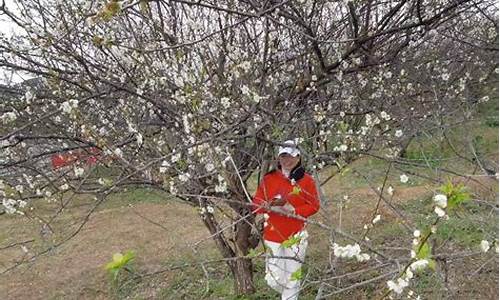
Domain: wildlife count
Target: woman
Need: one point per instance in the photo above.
(286, 196)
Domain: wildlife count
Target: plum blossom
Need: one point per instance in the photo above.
(184, 177)
(390, 190)
(350, 251)
(68, 106)
(485, 245)
(164, 166)
(385, 116)
(245, 90)
(209, 167)
(403, 178)
(9, 205)
(441, 200)
(222, 186)
(225, 102)
(78, 171)
(397, 286)
(118, 152)
(175, 158)
(8, 117)
(419, 264)
(439, 211)
(376, 219)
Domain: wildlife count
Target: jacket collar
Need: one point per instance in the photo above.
(297, 173)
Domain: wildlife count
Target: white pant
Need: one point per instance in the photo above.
(282, 263)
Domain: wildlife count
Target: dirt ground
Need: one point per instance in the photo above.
(76, 269)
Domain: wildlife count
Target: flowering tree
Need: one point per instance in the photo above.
(192, 97)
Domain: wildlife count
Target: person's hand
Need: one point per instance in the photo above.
(289, 208)
(286, 209)
(278, 200)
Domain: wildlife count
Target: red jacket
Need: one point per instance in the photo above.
(305, 201)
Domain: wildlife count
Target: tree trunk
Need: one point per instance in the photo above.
(242, 270)
(240, 266)
(243, 267)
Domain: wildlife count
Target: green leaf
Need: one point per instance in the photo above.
(254, 253)
(119, 261)
(296, 190)
(291, 241)
(432, 264)
(297, 275)
(456, 194)
(425, 251)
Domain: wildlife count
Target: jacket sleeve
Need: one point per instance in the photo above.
(311, 205)
(260, 199)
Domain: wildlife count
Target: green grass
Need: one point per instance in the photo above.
(466, 226)
(191, 283)
(429, 285)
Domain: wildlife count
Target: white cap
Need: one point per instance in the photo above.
(290, 148)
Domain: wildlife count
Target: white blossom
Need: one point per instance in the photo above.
(78, 171)
(210, 209)
(8, 117)
(408, 275)
(222, 186)
(485, 246)
(164, 166)
(19, 188)
(118, 152)
(172, 188)
(441, 200)
(64, 187)
(225, 102)
(175, 158)
(209, 167)
(398, 133)
(385, 116)
(419, 265)
(245, 90)
(390, 190)
(139, 139)
(397, 286)
(376, 219)
(350, 251)
(403, 178)
(439, 211)
(416, 233)
(184, 177)
(69, 105)
(9, 205)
